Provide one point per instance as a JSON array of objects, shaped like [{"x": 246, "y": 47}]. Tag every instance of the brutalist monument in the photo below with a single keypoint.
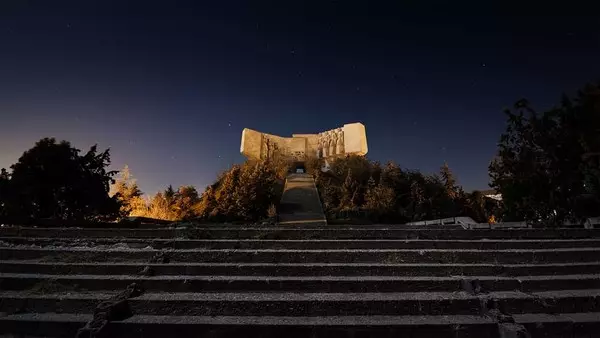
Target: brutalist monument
[{"x": 349, "y": 139}]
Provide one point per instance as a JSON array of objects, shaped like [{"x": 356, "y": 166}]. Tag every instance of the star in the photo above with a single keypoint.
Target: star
[
  {"x": 229, "y": 124},
  {"x": 483, "y": 65},
  {"x": 293, "y": 51}
]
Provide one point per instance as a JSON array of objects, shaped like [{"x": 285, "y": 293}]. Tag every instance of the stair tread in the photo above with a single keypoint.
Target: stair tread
[
  {"x": 267, "y": 320},
  {"x": 307, "y": 296}
]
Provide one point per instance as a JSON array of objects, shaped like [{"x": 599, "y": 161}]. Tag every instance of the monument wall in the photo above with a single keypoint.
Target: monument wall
[{"x": 349, "y": 139}]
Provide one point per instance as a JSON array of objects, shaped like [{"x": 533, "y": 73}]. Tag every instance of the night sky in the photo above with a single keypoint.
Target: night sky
[{"x": 170, "y": 85}]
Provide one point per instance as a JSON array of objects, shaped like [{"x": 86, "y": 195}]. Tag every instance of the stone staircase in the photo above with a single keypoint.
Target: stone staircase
[
  {"x": 300, "y": 203},
  {"x": 291, "y": 281}
]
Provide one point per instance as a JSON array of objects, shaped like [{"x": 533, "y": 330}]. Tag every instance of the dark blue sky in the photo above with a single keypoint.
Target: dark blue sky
[{"x": 170, "y": 85}]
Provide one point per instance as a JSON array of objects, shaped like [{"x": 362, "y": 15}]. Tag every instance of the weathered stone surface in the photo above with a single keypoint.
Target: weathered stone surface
[
  {"x": 337, "y": 281},
  {"x": 349, "y": 139}
]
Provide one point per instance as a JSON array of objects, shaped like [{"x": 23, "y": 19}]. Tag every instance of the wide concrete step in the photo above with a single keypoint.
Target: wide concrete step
[
  {"x": 310, "y": 304},
  {"x": 66, "y": 325},
  {"x": 300, "y": 269},
  {"x": 254, "y": 244},
  {"x": 456, "y": 326},
  {"x": 283, "y": 232},
  {"x": 304, "y": 256},
  {"x": 9, "y": 281}
]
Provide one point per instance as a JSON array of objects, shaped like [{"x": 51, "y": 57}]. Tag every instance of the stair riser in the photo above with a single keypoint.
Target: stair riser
[
  {"x": 306, "y": 308},
  {"x": 135, "y": 330}
]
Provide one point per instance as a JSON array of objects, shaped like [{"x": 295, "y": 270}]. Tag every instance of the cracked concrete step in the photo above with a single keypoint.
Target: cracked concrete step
[
  {"x": 184, "y": 283},
  {"x": 306, "y": 244},
  {"x": 304, "y": 256},
  {"x": 364, "y": 232},
  {"x": 300, "y": 269},
  {"x": 66, "y": 325},
  {"x": 311, "y": 304}
]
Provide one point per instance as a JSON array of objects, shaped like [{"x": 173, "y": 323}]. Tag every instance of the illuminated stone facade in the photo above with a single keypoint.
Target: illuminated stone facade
[{"x": 349, "y": 139}]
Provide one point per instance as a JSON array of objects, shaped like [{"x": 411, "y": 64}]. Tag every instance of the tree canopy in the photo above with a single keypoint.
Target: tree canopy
[
  {"x": 548, "y": 164},
  {"x": 358, "y": 188},
  {"x": 52, "y": 180}
]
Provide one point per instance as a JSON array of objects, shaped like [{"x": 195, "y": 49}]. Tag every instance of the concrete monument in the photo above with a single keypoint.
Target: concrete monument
[{"x": 349, "y": 139}]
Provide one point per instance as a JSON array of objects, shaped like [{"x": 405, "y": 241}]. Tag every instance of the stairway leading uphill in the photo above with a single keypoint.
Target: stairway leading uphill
[{"x": 299, "y": 281}]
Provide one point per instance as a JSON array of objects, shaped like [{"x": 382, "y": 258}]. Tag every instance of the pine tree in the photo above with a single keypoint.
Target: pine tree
[
  {"x": 126, "y": 190},
  {"x": 449, "y": 181}
]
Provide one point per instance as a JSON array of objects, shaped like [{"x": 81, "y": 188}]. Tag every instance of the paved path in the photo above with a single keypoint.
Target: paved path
[{"x": 300, "y": 203}]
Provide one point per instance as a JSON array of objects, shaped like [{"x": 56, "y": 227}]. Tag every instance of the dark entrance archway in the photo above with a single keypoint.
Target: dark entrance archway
[{"x": 298, "y": 168}]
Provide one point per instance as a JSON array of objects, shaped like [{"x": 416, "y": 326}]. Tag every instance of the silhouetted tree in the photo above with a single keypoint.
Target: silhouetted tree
[
  {"x": 546, "y": 168},
  {"x": 4, "y": 192},
  {"x": 51, "y": 180}
]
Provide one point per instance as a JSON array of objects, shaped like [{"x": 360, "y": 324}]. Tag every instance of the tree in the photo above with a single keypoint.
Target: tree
[
  {"x": 449, "y": 181},
  {"x": 4, "y": 192},
  {"x": 244, "y": 192},
  {"x": 160, "y": 207},
  {"x": 349, "y": 191},
  {"x": 545, "y": 168},
  {"x": 185, "y": 202},
  {"x": 51, "y": 180},
  {"x": 127, "y": 192},
  {"x": 448, "y": 198},
  {"x": 379, "y": 200}
]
